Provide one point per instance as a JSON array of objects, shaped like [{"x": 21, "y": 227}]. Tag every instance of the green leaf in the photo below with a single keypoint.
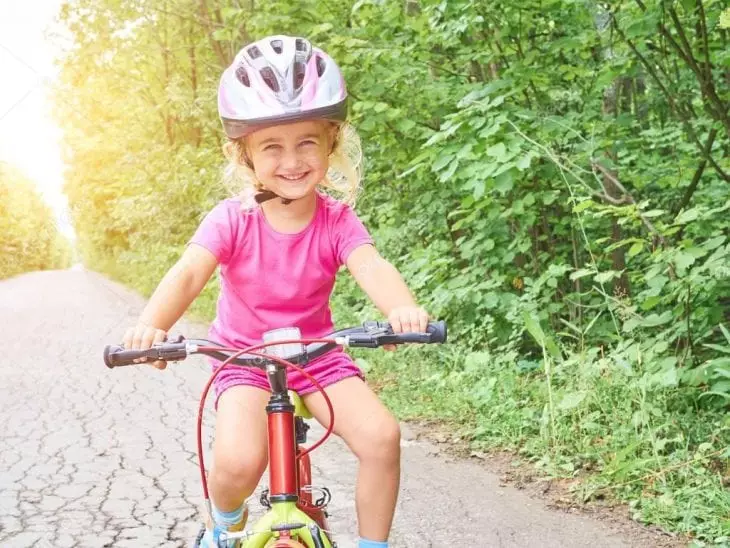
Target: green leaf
[
  {"x": 653, "y": 320},
  {"x": 687, "y": 216},
  {"x": 603, "y": 277},
  {"x": 503, "y": 182},
  {"x": 714, "y": 243},
  {"x": 229, "y": 13},
  {"x": 683, "y": 260},
  {"x": 635, "y": 249},
  {"x": 533, "y": 327},
  {"x": 668, "y": 377},
  {"x": 725, "y": 332},
  {"x": 497, "y": 151},
  {"x": 651, "y": 302},
  {"x": 572, "y": 400},
  {"x": 585, "y": 204},
  {"x": 689, "y": 6},
  {"x": 581, "y": 273},
  {"x": 442, "y": 161},
  {"x": 524, "y": 162},
  {"x": 479, "y": 187}
]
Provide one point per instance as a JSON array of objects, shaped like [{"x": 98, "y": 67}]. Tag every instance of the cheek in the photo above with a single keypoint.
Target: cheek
[
  {"x": 264, "y": 167},
  {"x": 318, "y": 160}
]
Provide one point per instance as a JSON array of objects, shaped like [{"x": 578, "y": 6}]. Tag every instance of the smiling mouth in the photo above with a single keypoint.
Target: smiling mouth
[{"x": 294, "y": 178}]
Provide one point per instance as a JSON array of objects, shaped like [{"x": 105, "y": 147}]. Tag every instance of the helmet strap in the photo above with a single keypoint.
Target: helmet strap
[{"x": 266, "y": 195}]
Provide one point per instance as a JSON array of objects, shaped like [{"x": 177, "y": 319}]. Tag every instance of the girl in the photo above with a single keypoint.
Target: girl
[{"x": 279, "y": 245}]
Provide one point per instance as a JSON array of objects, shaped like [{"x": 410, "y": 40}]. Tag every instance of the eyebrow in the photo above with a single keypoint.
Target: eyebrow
[{"x": 276, "y": 139}]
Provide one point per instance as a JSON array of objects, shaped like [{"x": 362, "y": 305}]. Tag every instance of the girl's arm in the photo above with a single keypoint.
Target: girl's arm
[
  {"x": 178, "y": 288},
  {"x": 382, "y": 282}
]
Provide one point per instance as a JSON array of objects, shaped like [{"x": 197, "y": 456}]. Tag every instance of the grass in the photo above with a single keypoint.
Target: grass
[{"x": 652, "y": 449}]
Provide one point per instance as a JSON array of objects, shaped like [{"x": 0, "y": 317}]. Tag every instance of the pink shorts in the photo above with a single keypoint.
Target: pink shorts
[{"x": 334, "y": 366}]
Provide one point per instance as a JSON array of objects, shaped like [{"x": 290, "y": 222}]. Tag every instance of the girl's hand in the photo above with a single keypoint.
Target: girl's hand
[
  {"x": 142, "y": 337},
  {"x": 407, "y": 319}
]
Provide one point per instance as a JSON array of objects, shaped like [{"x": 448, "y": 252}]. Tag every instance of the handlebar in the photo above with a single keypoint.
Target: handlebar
[{"x": 371, "y": 334}]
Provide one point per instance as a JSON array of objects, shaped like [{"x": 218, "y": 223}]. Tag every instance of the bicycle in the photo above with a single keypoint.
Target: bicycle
[{"x": 295, "y": 519}]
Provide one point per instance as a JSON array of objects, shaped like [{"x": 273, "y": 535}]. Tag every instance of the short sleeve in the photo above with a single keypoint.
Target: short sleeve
[
  {"x": 348, "y": 233},
  {"x": 217, "y": 232}
]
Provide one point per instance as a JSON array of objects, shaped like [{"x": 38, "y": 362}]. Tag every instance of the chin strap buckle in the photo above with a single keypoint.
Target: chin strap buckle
[{"x": 266, "y": 195}]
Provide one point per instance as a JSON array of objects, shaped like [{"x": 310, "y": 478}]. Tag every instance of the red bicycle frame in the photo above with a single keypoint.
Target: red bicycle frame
[{"x": 287, "y": 478}]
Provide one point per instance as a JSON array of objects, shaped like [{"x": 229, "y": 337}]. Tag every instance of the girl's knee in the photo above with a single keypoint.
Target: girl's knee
[
  {"x": 379, "y": 440},
  {"x": 240, "y": 470}
]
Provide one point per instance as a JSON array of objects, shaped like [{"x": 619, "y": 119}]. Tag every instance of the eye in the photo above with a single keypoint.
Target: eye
[
  {"x": 308, "y": 142},
  {"x": 271, "y": 147}
]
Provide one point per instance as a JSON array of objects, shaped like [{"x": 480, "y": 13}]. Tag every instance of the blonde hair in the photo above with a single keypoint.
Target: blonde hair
[{"x": 344, "y": 173}]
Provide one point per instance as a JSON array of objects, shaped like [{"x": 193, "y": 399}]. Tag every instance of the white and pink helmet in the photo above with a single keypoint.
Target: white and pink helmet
[{"x": 276, "y": 80}]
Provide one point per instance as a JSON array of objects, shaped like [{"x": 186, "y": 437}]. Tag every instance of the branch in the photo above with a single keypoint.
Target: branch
[
  {"x": 686, "y": 55},
  {"x": 205, "y": 14},
  {"x": 628, "y": 198},
  {"x": 674, "y": 107},
  {"x": 696, "y": 178},
  {"x": 705, "y": 41},
  {"x": 707, "y": 86}
]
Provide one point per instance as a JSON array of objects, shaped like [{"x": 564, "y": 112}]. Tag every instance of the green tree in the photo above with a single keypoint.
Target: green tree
[{"x": 30, "y": 238}]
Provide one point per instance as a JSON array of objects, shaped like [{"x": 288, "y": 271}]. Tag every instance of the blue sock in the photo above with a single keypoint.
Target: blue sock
[
  {"x": 228, "y": 519},
  {"x": 365, "y": 543},
  {"x": 221, "y": 520}
]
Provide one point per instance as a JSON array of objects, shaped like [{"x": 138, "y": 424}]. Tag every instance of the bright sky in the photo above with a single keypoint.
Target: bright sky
[{"x": 29, "y": 138}]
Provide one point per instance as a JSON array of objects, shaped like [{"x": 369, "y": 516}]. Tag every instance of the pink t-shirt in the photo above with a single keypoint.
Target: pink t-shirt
[{"x": 271, "y": 280}]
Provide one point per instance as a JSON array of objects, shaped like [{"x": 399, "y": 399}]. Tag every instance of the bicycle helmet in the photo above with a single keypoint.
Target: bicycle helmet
[{"x": 276, "y": 80}]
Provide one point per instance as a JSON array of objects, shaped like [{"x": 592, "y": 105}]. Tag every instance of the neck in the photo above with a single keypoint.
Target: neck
[{"x": 292, "y": 216}]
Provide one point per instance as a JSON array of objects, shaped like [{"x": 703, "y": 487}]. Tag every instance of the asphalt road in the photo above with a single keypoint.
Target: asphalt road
[{"x": 96, "y": 457}]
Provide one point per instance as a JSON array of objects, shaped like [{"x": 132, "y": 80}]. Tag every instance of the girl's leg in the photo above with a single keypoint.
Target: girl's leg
[
  {"x": 373, "y": 435},
  {"x": 240, "y": 448}
]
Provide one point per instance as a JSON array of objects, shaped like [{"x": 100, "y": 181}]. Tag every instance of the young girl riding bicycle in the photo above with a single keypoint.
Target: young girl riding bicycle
[{"x": 279, "y": 245}]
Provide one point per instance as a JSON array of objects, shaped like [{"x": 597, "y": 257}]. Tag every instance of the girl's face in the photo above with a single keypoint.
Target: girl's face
[{"x": 291, "y": 159}]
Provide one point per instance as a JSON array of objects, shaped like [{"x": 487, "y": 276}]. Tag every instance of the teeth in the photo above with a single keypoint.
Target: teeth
[{"x": 293, "y": 177}]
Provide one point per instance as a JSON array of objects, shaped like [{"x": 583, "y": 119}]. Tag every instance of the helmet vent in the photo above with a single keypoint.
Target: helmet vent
[
  {"x": 298, "y": 74},
  {"x": 254, "y": 52},
  {"x": 321, "y": 64},
  {"x": 242, "y": 76},
  {"x": 277, "y": 46},
  {"x": 268, "y": 75},
  {"x": 300, "y": 45}
]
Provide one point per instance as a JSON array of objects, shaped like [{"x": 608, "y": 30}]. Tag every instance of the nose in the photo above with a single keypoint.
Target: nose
[{"x": 290, "y": 161}]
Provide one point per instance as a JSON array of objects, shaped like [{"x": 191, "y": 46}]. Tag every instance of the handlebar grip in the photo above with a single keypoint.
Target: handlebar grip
[
  {"x": 116, "y": 356},
  {"x": 379, "y": 333},
  {"x": 437, "y": 331},
  {"x": 412, "y": 338}
]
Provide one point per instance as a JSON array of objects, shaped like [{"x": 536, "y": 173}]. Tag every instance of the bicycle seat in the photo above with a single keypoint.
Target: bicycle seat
[{"x": 300, "y": 410}]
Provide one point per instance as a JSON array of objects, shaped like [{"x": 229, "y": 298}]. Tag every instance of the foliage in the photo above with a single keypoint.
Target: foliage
[
  {"x": 30, "y": 237},
  {"x": 551, "y": 177}
]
